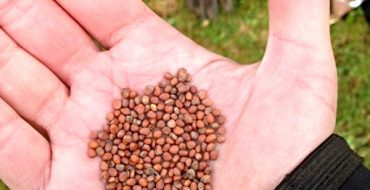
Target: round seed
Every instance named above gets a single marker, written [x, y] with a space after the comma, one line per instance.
[143, 182]
[171, 123]
[178, 130]
[144, 131]
[91, 153]
[117, 104]
[174, 149]
[131, 182]
[93, 144]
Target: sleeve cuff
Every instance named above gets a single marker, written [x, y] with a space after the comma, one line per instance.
[328, 167]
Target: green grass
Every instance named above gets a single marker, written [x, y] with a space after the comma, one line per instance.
[242, 35]
[351, 40]
[2, 186]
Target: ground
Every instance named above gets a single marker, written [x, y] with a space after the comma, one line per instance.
[242, 35]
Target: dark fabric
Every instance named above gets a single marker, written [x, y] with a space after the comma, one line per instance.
[366, 7]
[327, 168]
[359, 180]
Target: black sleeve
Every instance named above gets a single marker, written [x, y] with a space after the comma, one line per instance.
[333, 165]
[359, 180]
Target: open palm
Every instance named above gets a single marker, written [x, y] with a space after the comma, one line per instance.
[55, 81]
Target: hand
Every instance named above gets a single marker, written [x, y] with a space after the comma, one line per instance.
[55, 81]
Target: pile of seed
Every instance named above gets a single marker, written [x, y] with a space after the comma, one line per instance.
[164, 139]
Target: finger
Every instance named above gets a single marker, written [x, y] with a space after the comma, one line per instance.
[107, 20]
[28, 86]
[24, 153]
[43, 29]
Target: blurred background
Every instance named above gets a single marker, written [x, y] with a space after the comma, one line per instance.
[238, 29]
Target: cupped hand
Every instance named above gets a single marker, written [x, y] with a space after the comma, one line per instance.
[56, 86]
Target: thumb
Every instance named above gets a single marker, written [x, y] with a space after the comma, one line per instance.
[299, 40]
[305, 22]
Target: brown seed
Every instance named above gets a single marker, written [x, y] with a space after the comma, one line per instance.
[145, 100]
[148, 90]
[144, 131]
[158, 150]
[202, 94]
[210, 118]
[122, 146]
[207, 102]
[126, 92]
[211, 138]
[93, 144]
[143, 182]
[161, 141]
[176, 171]
[181, 88]
[137, 187]
[171, 123]
[123, 176]
[193, 186]
[159, 185]
[117, 104]
[111, 186]
[114, 129]
[107, 156]
[157, 134]
[178, 130]
[213, 155]
[134, 158]
[157, 167]
[164, 96]
[182, 75]
[133, 94]
[211, 147]
[100, 151]
[91, 153]
[112, 172]
[140, 108]
[133, 146]
[127, 138]
[200, 124]
[125, 111]
[120, 167]
[188, 96]
[220, 139]
[151, 114]
[168, 76]
[166, 156]
[131, 182]
[103, 135]
[174, 149]
[116, 159]
[205, 179]
[191, 145]
[174, 81]
[103, 165]
[93, 135]
[108, 147]
[168, 109]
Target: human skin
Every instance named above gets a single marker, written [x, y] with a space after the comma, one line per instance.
[54, 80]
